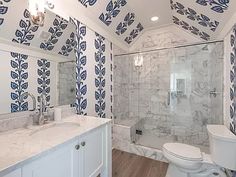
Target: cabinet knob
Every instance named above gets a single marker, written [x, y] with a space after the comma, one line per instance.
[83, 143]
[77, 147]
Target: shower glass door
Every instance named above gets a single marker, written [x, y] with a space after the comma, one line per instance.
[170, 95]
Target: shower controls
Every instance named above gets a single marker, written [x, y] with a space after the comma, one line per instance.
[83, 143]
[77, 147]
[214, 92]
[168, 99]
[139, 132]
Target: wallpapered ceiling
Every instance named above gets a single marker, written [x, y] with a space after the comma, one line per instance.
[21, 30]
[203, 19]
[117, 17]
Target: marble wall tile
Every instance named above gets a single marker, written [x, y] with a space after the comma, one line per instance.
[126, 145]
[186, 114]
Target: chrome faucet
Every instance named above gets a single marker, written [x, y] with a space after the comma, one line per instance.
[42, 109]
[42, 106]
[26, 94]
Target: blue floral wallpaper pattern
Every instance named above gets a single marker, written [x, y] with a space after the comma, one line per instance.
[44, 79]
[59, 25]
[3, 9]
[139, 28]
[218, 6]
[81, 73]
[194, 16]
[19, 82]
[111, 78]
[123, 26]
[112, 10]
[69, 46]
[100, 71]
[26, 32]
[233, 81]
[87, 2]
[191, 29]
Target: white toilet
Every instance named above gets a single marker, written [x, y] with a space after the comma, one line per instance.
[189, 161]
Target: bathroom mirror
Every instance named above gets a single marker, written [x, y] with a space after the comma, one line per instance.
[67, 83]
[44, 62]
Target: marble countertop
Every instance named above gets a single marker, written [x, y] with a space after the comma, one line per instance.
[19, 147]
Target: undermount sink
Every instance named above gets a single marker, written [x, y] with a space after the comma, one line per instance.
[55, 127]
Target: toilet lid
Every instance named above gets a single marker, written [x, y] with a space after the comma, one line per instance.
[183, 151]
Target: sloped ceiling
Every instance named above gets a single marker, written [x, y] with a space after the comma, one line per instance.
[117, 17]
[16, 26]
[124, 20]
[203, 19]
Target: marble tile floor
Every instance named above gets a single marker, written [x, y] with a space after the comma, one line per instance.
[129, 165]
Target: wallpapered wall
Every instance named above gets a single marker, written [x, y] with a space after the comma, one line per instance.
[21, 73]
[230, 80]
[94, 73]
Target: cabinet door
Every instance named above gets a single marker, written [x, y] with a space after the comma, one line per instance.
[92, 146]
[16, 173]
[60, 163]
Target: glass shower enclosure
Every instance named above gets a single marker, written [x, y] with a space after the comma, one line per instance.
[170, 95]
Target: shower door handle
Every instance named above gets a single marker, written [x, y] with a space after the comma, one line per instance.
[168, 98]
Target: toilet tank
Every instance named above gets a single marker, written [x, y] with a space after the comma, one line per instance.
[222, 146]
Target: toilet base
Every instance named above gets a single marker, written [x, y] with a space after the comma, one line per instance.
[174, 171]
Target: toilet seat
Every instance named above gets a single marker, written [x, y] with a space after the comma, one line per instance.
[186, 157]
[183, 151]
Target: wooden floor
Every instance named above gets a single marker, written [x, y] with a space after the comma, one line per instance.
[129, 165]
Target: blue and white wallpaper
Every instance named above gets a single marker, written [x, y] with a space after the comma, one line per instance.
[19, 83]
[191, 14]
[93, 72]
[44, 79]
[219, 6]
[3, 10]
[81, 73]
[113, 9]
[230, 80]
[26, 31]
[21, 30]
[115, 16]
[87, 3]
[232, 91]
[22, 73]
[100, 71]
[203, 18]
[56, 30]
